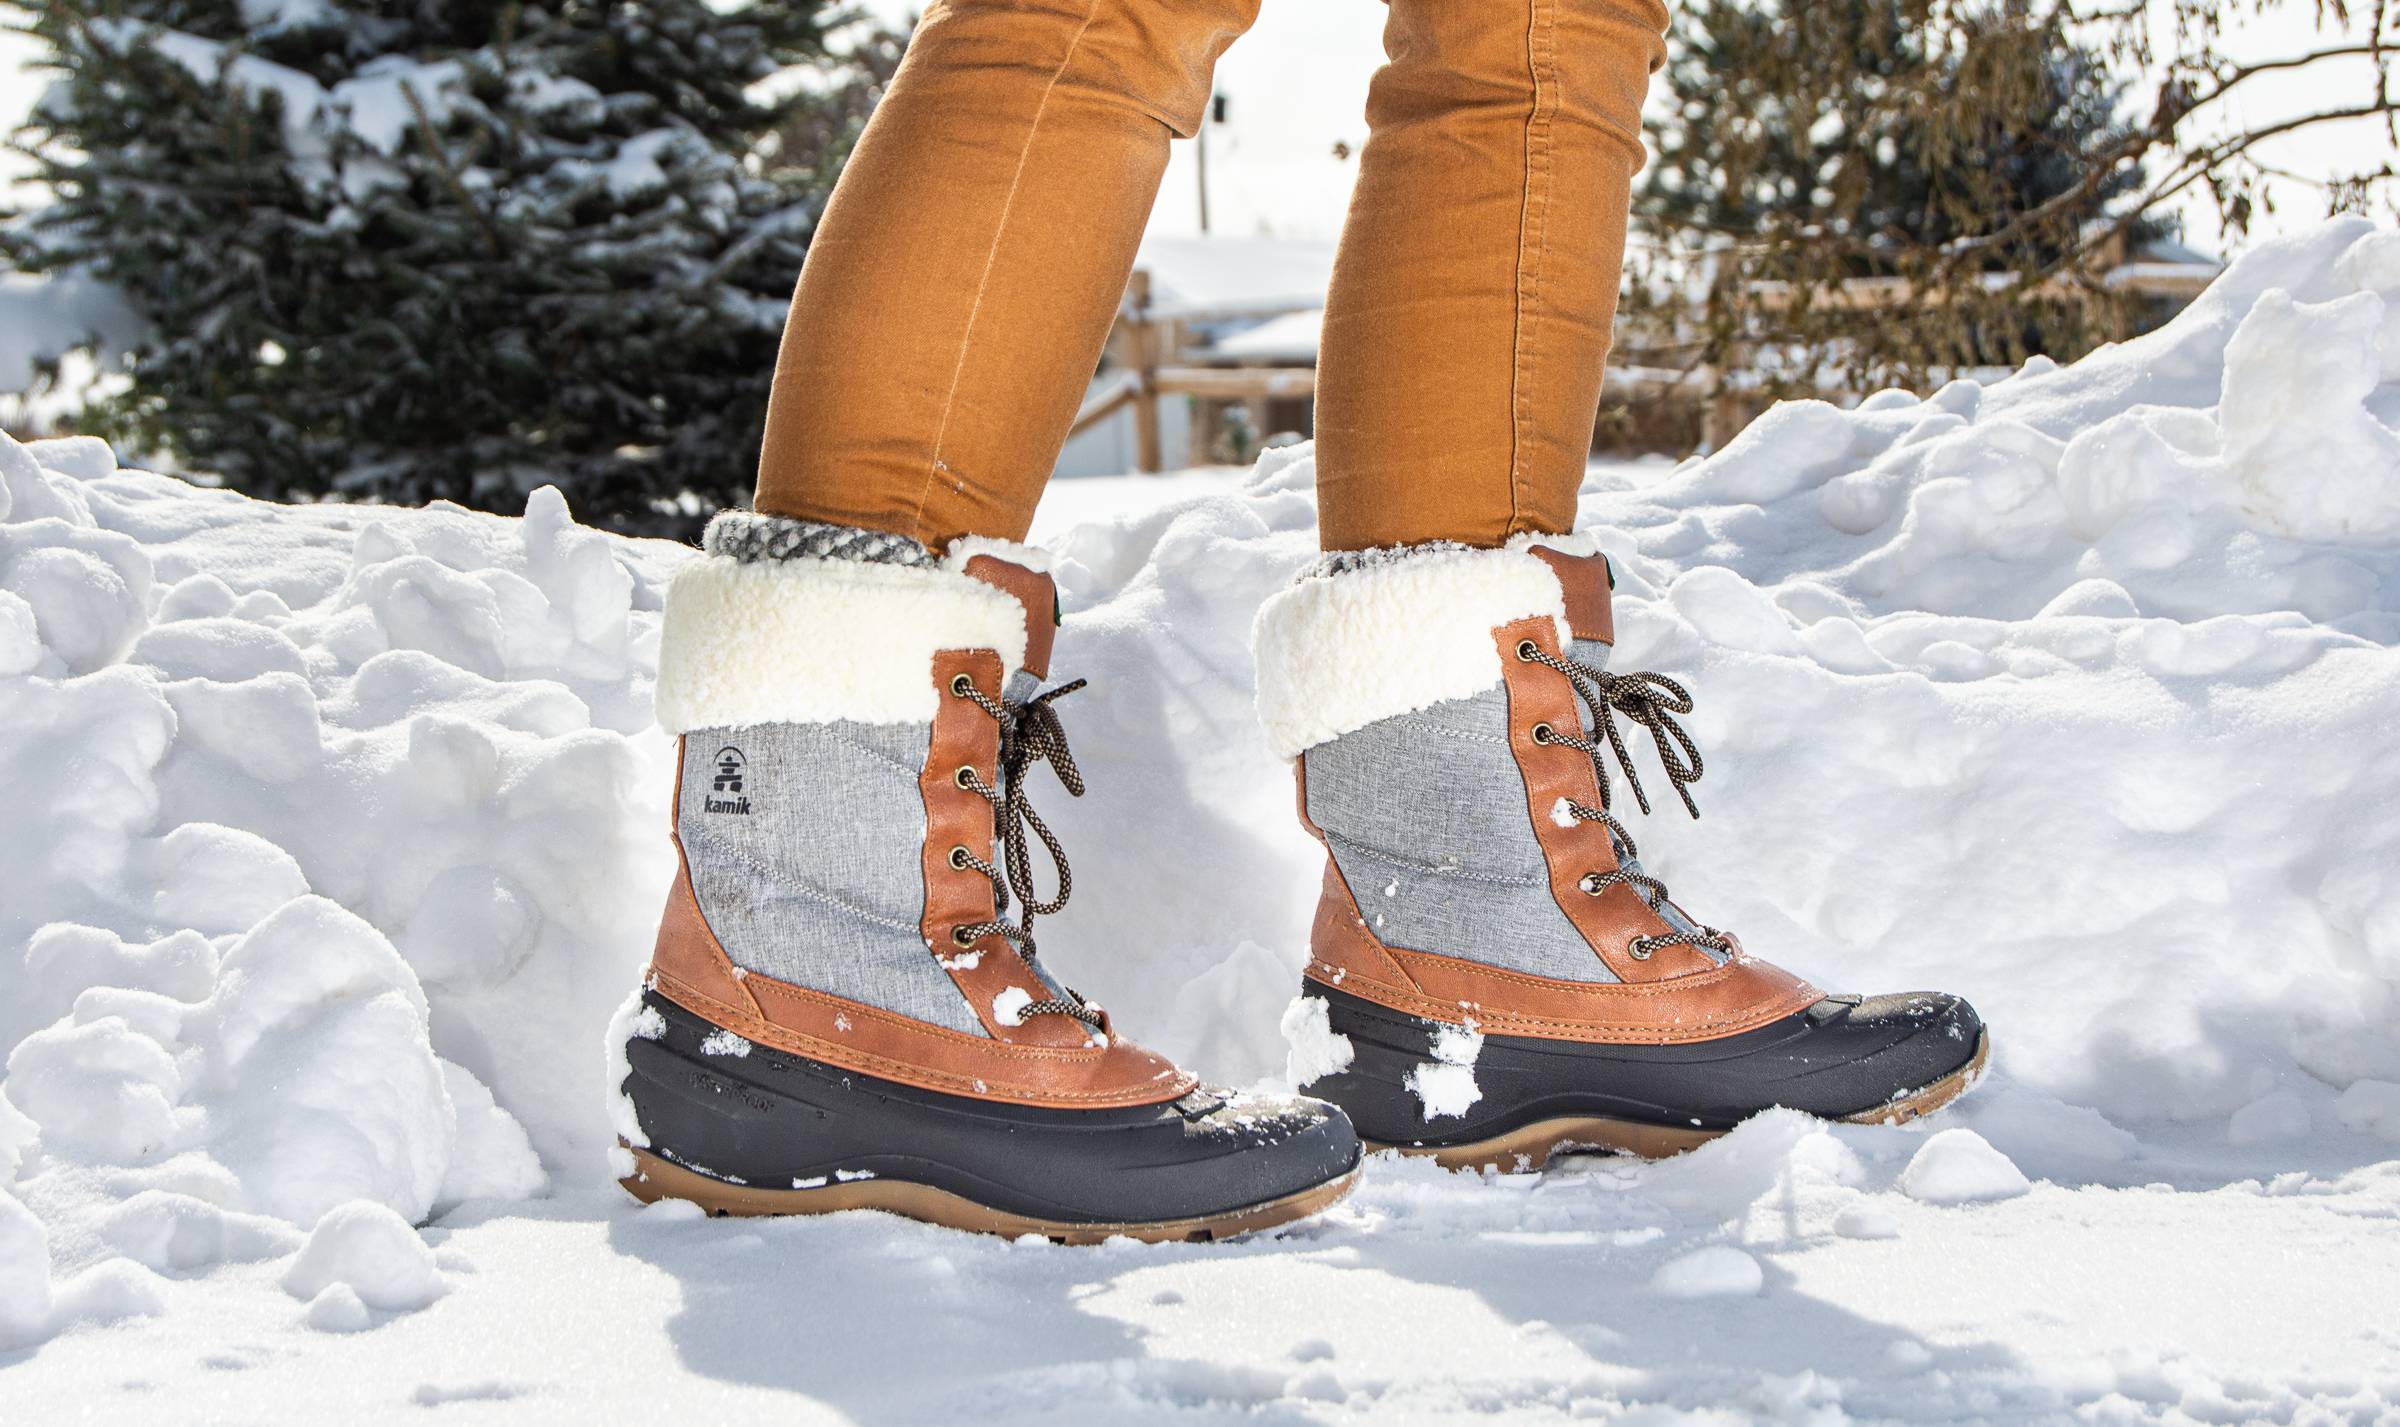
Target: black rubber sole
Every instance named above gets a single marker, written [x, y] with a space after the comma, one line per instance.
[765, 1129]
[1880, 1058]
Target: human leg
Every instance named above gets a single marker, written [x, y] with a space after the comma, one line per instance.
[1476, 285]
[962, 283]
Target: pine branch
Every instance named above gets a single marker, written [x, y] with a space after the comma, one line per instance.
[432, 139]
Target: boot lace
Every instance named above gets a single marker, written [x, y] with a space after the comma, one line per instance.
[1030, 733]
[1651, 701]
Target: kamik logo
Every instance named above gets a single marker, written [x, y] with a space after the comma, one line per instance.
[733, 770]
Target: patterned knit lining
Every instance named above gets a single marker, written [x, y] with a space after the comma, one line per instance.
[1344, 562]
[748, 536]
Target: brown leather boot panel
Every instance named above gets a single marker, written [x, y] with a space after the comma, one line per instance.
[1345, 945]
[1740, 995]
[1036, 592]
[691, 968]
[1540, 696]
[1583, 579]
[696, 962]
[964, 736]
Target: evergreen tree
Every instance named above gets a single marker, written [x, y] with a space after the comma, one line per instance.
[408, 249]
[1809, 146]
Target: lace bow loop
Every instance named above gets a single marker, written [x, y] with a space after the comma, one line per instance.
[1030, 733]
[1651, 700]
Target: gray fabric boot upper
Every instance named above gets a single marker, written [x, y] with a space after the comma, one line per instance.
[1425, 817]
[803, 843]
[1379, 673]
[796, 671]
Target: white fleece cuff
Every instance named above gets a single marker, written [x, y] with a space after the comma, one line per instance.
[810, 641]
[1338, 652]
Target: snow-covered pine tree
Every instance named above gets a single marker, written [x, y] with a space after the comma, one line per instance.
[407, 249]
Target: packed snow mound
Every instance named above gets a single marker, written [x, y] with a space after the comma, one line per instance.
[370, 1253]
[334, 833]
[322, 823]
[312, 1006]
[2239, 460]
[1960, 1167]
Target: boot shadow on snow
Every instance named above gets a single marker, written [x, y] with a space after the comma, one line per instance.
[984, 1319]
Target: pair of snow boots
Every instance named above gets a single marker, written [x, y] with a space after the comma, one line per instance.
[845, 1009]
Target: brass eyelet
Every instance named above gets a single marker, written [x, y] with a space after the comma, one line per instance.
[1541, 733]
[959, 937]
[1591, 884]
[1640, 949]
[1526, 649]
[959, 856]
[962, 686]
[962, 777]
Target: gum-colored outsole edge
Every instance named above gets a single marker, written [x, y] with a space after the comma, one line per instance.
[654, 1178]
[1531, 1146]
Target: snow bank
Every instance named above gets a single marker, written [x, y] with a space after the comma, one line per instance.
[24, 1274]
[322, 824]
[334, 833]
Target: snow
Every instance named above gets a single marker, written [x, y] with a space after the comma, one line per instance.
[1196, 278]
[722, 1042]
[2372, 1106]
[378, 105]
[177, 1233]
[1866, 1221]
[1961, 1167]
[335, 834]
[1717, 1271]
[372, 1253]
[1008, 1008]
[24, 1274]
[1445, 1085]
[338, 1309]
[1316, 1048]
[2268, 1119]
[1288, 340]
[632, 1021]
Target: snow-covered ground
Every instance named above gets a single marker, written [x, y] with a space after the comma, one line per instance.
[333, 834]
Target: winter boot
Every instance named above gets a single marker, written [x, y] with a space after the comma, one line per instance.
[1498, 977]
[842, 1012]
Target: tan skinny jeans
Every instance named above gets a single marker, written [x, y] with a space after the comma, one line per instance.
[963, 282]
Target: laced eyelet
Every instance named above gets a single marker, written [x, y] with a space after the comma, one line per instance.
[1591, 884]
[1542, 732]
[959, 856]
[1640, 948]
[962, 686]
[959, 937]
[1526, 649]
[962, 777]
